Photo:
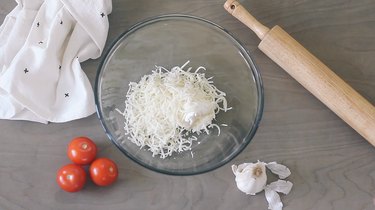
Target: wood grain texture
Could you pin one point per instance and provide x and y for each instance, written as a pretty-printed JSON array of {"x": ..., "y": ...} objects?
[
  {"x": 311, "y": 73},
  {"x": 321, "y": 81},
  {"x": 333, "y": 168}
]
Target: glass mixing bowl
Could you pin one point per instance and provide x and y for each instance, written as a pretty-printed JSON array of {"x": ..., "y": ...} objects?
[{"x": 169, "y": 41}]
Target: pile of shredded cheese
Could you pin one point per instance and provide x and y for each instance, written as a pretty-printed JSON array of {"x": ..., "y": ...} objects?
[{"x": 167, "y": 109}]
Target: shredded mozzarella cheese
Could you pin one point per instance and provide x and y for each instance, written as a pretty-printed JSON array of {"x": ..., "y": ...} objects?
[{"x": 167, "y": 109}]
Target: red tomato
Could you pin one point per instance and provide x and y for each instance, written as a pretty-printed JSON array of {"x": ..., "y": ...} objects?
[
  {"x": 103, "y": 171},
  {"x": 71, "y": 178},
  {"x": 82, "y": 150}
]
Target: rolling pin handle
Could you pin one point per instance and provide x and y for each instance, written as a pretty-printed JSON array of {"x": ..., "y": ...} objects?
[{"x": 238, "y": 11}]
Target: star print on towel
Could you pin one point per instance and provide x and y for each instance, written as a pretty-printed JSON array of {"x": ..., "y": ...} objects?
[{"x": 37, "y": 38}]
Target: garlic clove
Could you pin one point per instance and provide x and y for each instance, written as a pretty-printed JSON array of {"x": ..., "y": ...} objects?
[
  {"x": 278, "y": 169},
  {"x": 250, "y": 178}
]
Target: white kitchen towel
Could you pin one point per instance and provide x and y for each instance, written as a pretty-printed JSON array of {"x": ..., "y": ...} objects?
[{"x": 41, "y": 46}]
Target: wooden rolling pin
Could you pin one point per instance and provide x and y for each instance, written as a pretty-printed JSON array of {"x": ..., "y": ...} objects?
[{"x": 311, "y": 73}]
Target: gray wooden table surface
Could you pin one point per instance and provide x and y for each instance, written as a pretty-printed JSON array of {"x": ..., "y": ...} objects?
[{"x": 332, "y": 166}]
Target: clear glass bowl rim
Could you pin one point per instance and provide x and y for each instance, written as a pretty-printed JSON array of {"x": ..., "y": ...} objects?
[{"x": 246, "y": 55}]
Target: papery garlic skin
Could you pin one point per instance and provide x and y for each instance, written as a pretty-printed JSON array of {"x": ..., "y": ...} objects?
[
  {"x": 250, "y": 178},
  {"x": 272, "y": 196},
  {"x": 279, "y": 169}
]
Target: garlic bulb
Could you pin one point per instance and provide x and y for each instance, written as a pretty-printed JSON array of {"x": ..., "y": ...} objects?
[{"x": 251, "y": 178}]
